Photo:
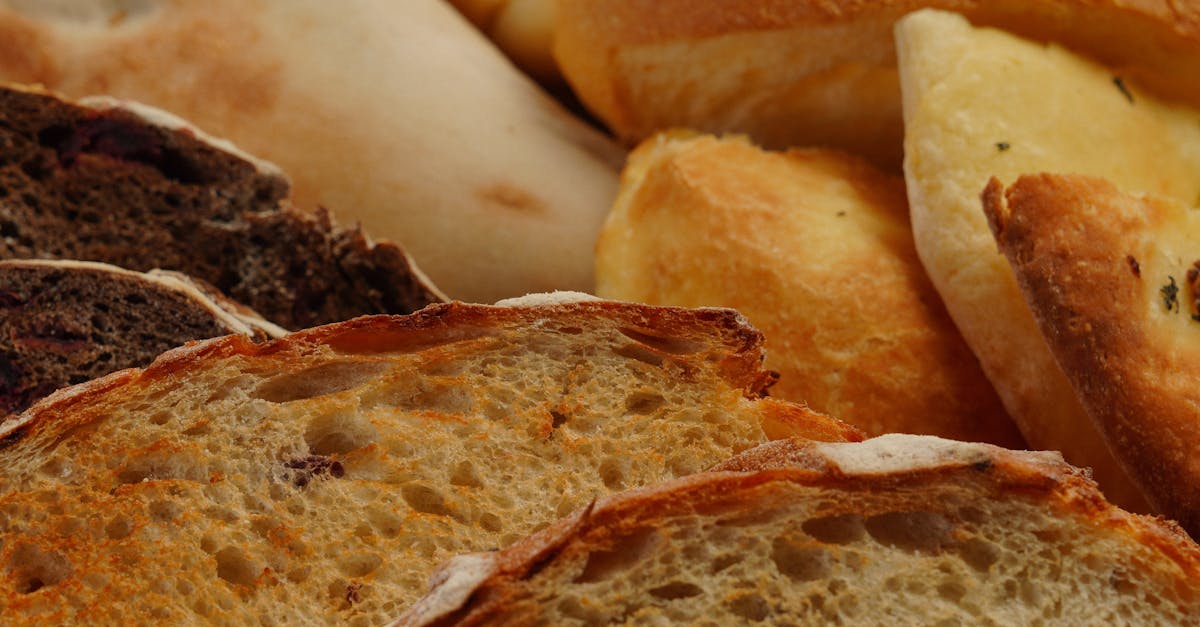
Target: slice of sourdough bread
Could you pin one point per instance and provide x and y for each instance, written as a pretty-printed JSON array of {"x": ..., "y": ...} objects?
[
  {"x": 898, "y": 530},
  {"x": 322, "y": 477},
  {"x": 121, "y": 183},
  {"x": 66, "y": 322}
]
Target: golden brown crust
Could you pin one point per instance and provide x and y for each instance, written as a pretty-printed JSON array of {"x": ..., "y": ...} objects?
[
  {"x": 621, "y": 58},
  {"x": 1105, "y": 274},
  {"x": 487, "y": 593},
  {"x": 815, "y": 248}
]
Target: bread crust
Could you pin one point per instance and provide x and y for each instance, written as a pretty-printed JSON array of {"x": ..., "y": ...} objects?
[
  {"x": 1111, "y": 280},
  {"x": 479, "y": 589},
  {"x": 822, "y": 72}
]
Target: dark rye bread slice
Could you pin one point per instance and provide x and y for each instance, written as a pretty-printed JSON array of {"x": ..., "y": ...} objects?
[
  {"x": 320, "y": 478},
  {"x": 121, "y": 183},
  {"x": 66, "y": 322},
  {"x": 897, "y": 530}
]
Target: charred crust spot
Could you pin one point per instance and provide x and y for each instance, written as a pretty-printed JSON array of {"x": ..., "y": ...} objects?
[
  {"x": 352, "y": 596},
  {"x": 312, "y": 466},
  {"x": 1170, "y": 294},
  {"x": 557, "y": 419},
  {"x": 1124, "y": 89},
  {"x": 1134, "y": 266},
  {"x": 982, "y": 465}
]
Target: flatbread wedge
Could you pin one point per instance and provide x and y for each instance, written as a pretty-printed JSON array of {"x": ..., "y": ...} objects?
[
  {"x": 980, "y": 103},
  {"x": 1113, "y": 280}
]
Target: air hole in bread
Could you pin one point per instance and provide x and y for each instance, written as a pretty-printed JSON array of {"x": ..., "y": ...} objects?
[
  {"x": 661, "y": 343},
  {"x": 640, "y": 353},
  {"x": 385, "y": 522},
  {"x": 118, "y": 528},
  {"x": 234, "y": 566},
  {"x": 613, "y": 471},
  {"x": 424, "y": 498},
  {"x": 722, "y": 562},
  {"x": 557, "y": 419},
  {"x": 750, "y": 607},
  {"x": 979, "y": 553},
  {"x": 952, "y": 591},
  {"x": 630, "y": 550},
  {"x": 33, "y": 568},
  {"x": 465, "y": 475},
  {"x": 160, "y": 418},
  {"x": 677, "y": 590},
  {"x": 800, "y": 562},
  {"x": 162, "y": 465},
  {"x": 490, "y": 522},
  {"x": 163, "y": 510},
  {"x": 845, "y": 529},
  {"x": 338, "y": 433},
  {"x": 644, "y": 403},
  {"x": 359, "y": 564},
  {"x": 318, "y": 381},
  {"x": 926, "y": 532}
]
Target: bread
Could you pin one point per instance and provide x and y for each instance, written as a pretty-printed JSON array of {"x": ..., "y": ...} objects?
[
  {"x": 815, "y": 249},
  {"x": 1112, "y": 281},
  {"x": 523, "y": 29},
  {"x": 982, "y": 103},
  {"x": 121, "y": 183},
  {"x": 397, "y": 115},
  {"x": 66, "y": 322},
  {"x": 898, "y": 530},
  {"x": 800, "y": 73},
  {"x": 321, "y": 477}
]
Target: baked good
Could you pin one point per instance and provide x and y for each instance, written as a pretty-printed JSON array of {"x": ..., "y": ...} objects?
[
  {"x": 121, "y": 183},
  {"x": 523, "y": 29},
  {"x": 396, "y": 115},
  {"x": 814, "y": 247},
  {"x": 1112, "y": 281},
  {"x": 981, "y": 103},
  {"x": 897, "y": 530},
  {"x": 800, "y": 73},
  {"x": 321, "y": 477},
  {"x": 66, "y": 322}
]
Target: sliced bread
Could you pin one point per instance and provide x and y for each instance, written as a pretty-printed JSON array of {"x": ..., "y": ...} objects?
[
  {"x": 121, "y": 183},
  {"x": 898, "y": 530},
  {"x": 322, "y": 477},
  {"x": 66, "y": 322}
]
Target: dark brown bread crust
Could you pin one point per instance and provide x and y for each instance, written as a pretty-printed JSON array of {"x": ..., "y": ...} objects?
[
  {"x": 108, "y": 185},
  {"x": 65, "y": 324}
]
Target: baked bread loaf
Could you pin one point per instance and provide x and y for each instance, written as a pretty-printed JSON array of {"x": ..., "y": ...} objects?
[
  {"x": 814, "y": 247},
  {"x": 523, "y": 29},
  {"x": 121, "y": 183},
  {"x": 1112, "y": 281},
  {"x": 898, "y": 530},
  {"x": 66, "y": 322},
  {"x": 801, "y": 72},
  {"x": 321, "y": 477},
  {"x": 981, "y": 103},
  {"x": 396, "y": 115}
]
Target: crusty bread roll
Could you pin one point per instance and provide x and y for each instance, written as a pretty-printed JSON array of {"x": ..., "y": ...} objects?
[
  {"x": 523, "y": 29},
  {"x": 802, "y": 72},
  {"x": 898, "y": 530},
  {"x": 396, "y": 114},
  {"x": 321, "y": 477},
  {"x": 1113, "y": 281},
  {"x": 814, "y": 247},
  {"x": 980, "y": 103}
]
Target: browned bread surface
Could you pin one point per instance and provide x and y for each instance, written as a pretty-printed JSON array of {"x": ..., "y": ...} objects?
[
  {"x": 800, "y": 73},
  {"x": 127, "y": 185},
  {"x": 322, "y": 477},
  {"x": 815, "y": 248},
  {"x": 895, "y": 530},
  {"x": 1112, "y": 279},
  {"x": 66, "y": 322}
]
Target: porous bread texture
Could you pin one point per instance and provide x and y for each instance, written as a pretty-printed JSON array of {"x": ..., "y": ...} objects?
[
  {"x": 65, "y": 322},
  {"x": 982, "y": 103},
  {"x": 814, "y": 247},
  {"x": 122, "y": 183},
  {"x": 875, "y": 533},
  {"x": 323, "y": 476}
]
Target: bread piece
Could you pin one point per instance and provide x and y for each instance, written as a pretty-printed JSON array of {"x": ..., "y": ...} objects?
[
  {"x": 898, "y": 530},
  {"x": 1112, "y": 281},
  {"x": 814, "y": 247},
  {"x": 523, "y": 29},
  {"x": 802, "y": 72},
  {"x": 982, "y": 103},
  {"x": 124, "y": 184},
  {"x": 66, "y": 322},
  {"x": 321, "y": 477},
  {"x": 398, "y": 115}
]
